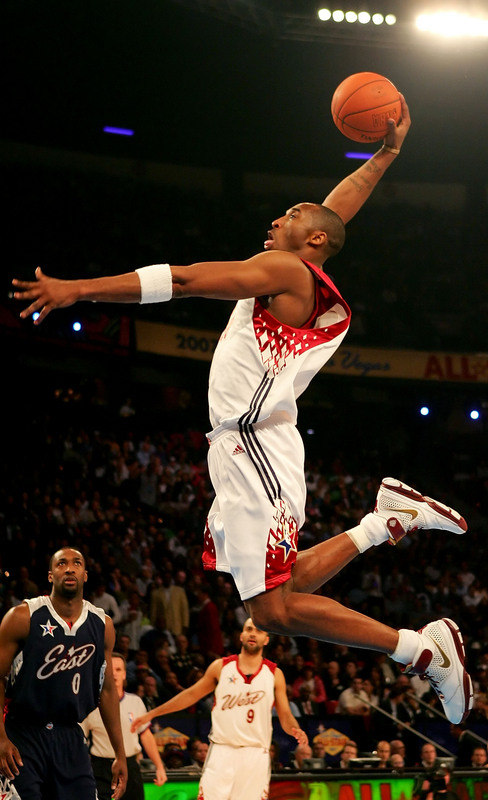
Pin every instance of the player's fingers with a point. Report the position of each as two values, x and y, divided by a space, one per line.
28 310
10 764
24 285
43 314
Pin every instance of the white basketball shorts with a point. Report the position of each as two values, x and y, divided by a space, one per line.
253 523
235 773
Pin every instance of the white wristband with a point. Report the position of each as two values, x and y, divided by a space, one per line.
156 283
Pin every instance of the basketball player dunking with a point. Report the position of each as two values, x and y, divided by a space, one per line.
289 320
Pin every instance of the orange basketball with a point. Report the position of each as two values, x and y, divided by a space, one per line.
362 104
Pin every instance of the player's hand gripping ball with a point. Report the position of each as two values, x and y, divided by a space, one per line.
362 104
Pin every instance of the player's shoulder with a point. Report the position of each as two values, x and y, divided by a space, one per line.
278 257
16 622
270 665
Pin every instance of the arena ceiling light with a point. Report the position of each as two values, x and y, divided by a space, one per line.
362 17
452 24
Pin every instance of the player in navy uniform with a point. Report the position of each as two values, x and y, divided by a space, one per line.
288 322
55 652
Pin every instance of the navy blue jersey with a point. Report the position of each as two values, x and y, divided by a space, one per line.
58 675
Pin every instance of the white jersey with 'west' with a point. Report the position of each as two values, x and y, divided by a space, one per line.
261 366
241 716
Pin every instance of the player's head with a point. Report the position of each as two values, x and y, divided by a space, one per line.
309 230
253 640
67 572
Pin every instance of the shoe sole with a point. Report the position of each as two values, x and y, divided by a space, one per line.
467 682
392 485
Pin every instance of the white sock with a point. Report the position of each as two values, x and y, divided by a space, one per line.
371 531
409 644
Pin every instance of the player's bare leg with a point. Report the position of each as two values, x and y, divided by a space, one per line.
399 510
319 564
436 651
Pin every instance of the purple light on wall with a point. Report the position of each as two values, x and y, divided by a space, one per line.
118 131
360 156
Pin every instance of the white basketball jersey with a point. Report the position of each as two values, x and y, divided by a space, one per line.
261 366
241 716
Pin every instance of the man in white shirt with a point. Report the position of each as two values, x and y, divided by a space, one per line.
131 706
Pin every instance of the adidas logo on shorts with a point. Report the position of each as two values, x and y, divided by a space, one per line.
238 450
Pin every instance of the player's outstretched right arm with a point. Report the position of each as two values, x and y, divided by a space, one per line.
186 698
264 274
13 630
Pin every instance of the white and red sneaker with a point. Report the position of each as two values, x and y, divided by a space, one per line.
440 660
405 510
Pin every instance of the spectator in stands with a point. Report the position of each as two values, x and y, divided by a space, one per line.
383 752
479 757
300 753
152 695
306 706
171 600
353 701
208 625
428 755
173 756
318 749
198 750
333 681
309 677
397 762
103 599
132 617
181 661
397 748
274 756
350 750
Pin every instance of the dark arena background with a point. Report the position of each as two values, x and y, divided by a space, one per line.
173 131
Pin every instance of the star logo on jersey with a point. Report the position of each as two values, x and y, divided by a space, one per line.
48 629
232 678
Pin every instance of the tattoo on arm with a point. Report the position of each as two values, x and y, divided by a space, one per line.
372 166
355 183
361 183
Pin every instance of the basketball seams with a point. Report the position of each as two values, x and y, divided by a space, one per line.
359 89
362 104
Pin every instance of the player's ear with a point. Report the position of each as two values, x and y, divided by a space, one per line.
86 577
50 576
318 238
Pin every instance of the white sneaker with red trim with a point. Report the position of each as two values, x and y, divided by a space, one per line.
440 660
405 510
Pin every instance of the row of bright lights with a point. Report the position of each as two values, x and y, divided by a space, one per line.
451 23
363 17
474 414
443 23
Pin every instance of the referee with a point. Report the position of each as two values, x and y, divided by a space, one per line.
102 755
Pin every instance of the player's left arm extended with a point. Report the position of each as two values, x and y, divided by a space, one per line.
110 712
149 744
352 192
286 718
